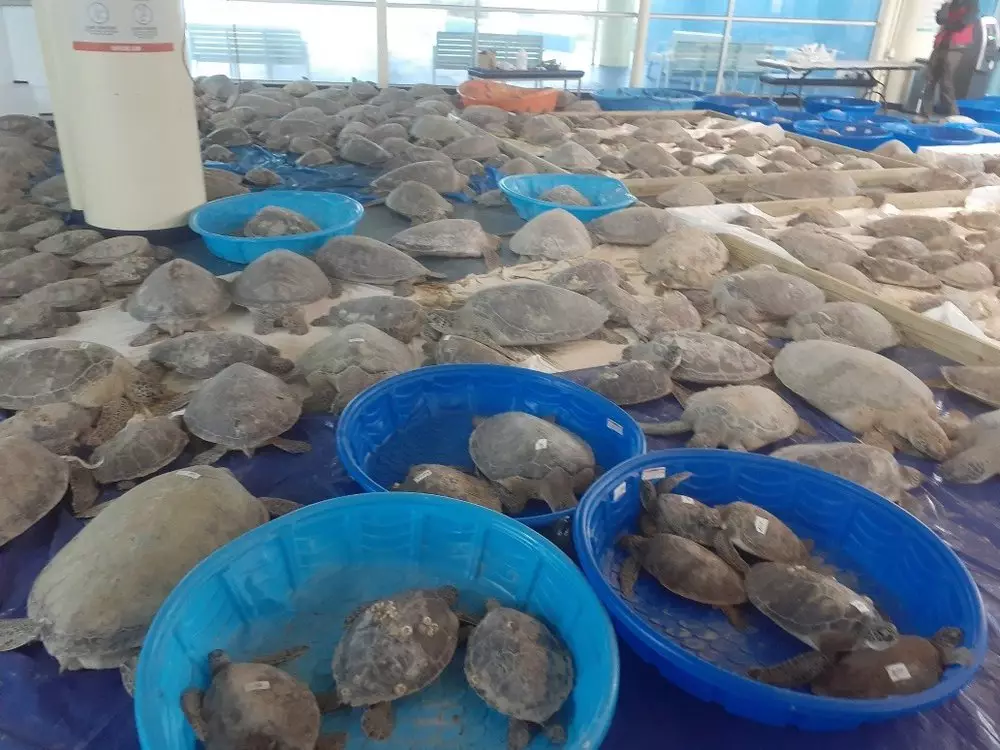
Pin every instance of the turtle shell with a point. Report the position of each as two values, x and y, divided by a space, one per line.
367 261
395 646
179 291
357 344
518 666
762 534
55 371
691 571
706 358
202 354
280 277
140 449
34 481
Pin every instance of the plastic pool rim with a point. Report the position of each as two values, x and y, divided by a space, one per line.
147 693
634 626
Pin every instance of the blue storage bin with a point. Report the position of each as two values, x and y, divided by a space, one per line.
786 118
729 104
848 104
607 194
938 135
989 133
294 580
624 99
425 416
985 110
216 221
858 135
911 574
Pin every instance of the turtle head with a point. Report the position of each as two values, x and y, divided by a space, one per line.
668 354
922 432
218 660
880 635
948 638
633 544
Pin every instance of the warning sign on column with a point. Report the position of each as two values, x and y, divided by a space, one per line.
126 25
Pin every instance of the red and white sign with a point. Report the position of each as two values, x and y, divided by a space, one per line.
129 26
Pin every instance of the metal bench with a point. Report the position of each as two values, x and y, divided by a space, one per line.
238 46
457 50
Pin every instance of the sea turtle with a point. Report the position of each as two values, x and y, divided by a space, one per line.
923 228
638 225
899 273
479 147
93 602
522 314
636 381
449 238
449 481
392 648
587 275
31 272
974 458
936 261
691 194
847 322
349 360
982 382
25 320
243 408
850 275
127 272
685 258
752 222
276 286
521 669
911 665
685 568
763 293
820 216
554 235
360 150
34 481
870 395
202 354
453 349
706 358
418 202
532 458
818 610
56 427
277 221
867 465
666 512
572 157
177 297
564 195
438 175
817 249
365 260
256 704
759 533
263 177
399 317
746 338
84 373
738 417
106 252
901 248
817 183
653 316
971 274
70 295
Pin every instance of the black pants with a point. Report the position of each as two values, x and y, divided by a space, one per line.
941 74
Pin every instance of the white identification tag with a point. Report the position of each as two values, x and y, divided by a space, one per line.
861 606
658 473
687 500
619 491
253 687
898 672
760 523
615 427
355 341
422 475
188 474
541 444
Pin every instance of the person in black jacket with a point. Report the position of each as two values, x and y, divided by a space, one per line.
956 21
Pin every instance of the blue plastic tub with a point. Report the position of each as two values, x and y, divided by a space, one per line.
910 573
426 416
786 118
729 104
606 193
646 98
988 132
938 135
848 104
859 135
294 580
217 221
985 110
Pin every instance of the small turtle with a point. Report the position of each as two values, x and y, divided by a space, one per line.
636 381
243 408
25 320
817 183
685 568
177 297
738 417
706 358
899 273
31 272
449 238
685 258
763 293
818 610
693 194
68 295
746 338
969 275
349 360
923 228
453 349
365 260
418 202
937 261
263 177
276 286
564 195
532 459
315 158
847 322
867 465
901 248
588 275
752 222
34 481
762 535
911 665
131 270
399 317
665 512
360 150
392 648
441 176
522 314
277 221
572 157
639 225
203 354
820 216
56 427
106 252
555 235
865 392
469 167
817 249
850 275
449 481
256 704
479 147
654 316
522 670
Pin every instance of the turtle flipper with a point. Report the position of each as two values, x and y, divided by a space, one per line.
127 671
794 672
557 491
277 507
647 526
377 722
15 633
555 733
665 428
148 336
281 657
336 741
294 321
724 548
291 446
206 458
83 489
628 576
519 734
669 484
264 322
191 706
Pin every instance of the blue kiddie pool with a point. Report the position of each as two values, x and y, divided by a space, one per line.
607 194
985 110
426 416
625 99
913 577
729 104
850 105
293 581
858 135
786 118
938 135
218 221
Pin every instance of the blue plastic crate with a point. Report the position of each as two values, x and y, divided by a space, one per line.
848 104
217 221
911 574
985 110
293 581
858 135
988 132
729 104
938 135
607 194
426 416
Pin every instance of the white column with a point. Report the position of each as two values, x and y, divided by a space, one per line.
909 34
382 50
639 54
134 116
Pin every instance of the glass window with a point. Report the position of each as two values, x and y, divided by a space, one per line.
843 10
424 46
281 41
690 7
683 53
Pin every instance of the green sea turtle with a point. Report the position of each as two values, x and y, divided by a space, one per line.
276 286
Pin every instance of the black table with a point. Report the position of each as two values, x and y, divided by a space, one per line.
533 74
